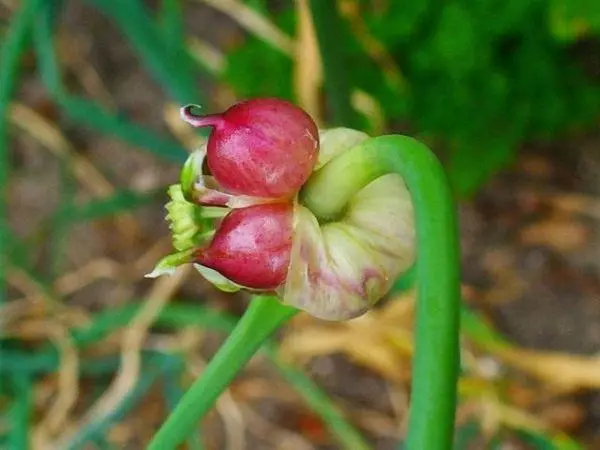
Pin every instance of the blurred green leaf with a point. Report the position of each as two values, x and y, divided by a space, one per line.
543 442
465 434
91 115
20 413
88 113
179 315
155 367
13 46
329 31
258 70
397 22
20 363
171 65
123 200
61 222
173 392
453 44
480 85
571 20
170 17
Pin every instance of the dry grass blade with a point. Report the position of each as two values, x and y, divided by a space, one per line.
254 23
50 136
375 49
559 371
308 70
37 302
282 438
371 109
206 55
495 414
576 203
67 378
305 82
131 345
75 55
101 268
148 259
21 280
380 340
399 400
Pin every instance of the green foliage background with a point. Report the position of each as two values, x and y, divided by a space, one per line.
481 76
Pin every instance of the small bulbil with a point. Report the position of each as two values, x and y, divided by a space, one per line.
252 246
263 147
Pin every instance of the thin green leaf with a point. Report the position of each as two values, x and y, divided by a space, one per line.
328 24
465 434
43 40
13 47
20 413
88 113
18 363
320 403
173 392
543 442
121 201
475 328
179 315
172 67
156 367
170 16
61 222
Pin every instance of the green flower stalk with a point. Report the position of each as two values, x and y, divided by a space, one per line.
323 222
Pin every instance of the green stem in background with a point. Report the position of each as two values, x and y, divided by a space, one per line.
173 393
328 26
436 360
170 18
348 437
13 47
264 316
20 413
159 365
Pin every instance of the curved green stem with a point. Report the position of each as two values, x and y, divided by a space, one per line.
262 318
437 352
435 368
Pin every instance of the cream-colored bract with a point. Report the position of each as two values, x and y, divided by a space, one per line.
341 269
334 141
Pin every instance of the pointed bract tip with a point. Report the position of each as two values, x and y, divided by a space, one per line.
187 114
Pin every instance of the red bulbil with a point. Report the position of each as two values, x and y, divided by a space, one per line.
252 246
263 147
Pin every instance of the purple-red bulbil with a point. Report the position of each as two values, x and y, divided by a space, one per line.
263 147
252 246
